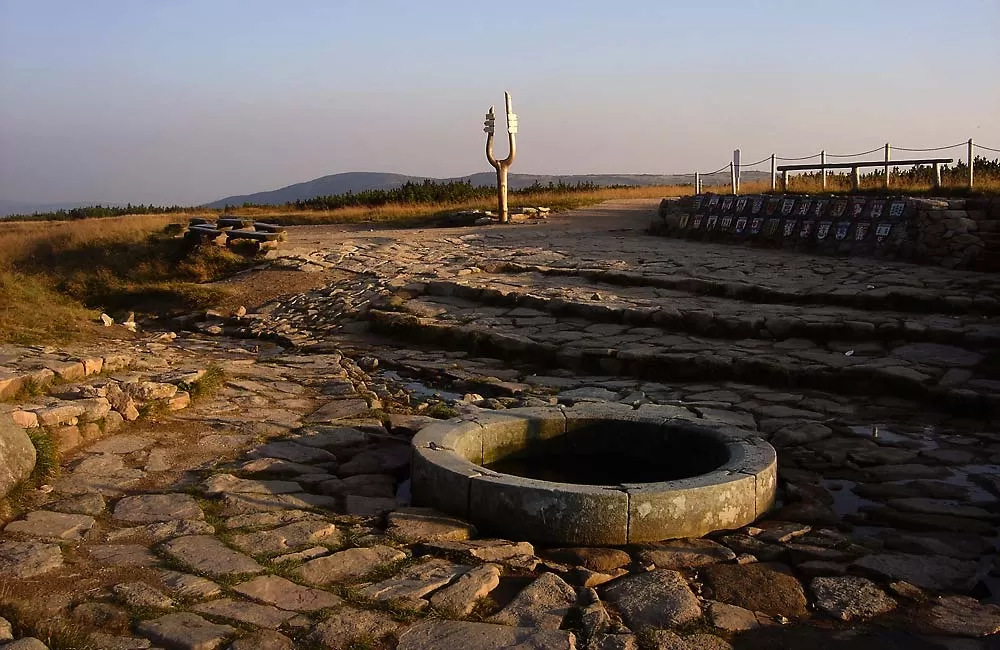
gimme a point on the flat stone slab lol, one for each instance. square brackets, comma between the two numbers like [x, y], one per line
[934, 572]
[266, 616]
[128, 555]
[269, 519]
[227, 483]
[139, 594]
[185, 631]
[461, 597]
[189, 586]
[438, 634]
[285, 594]
[163, 530]
[757, 587]
[208, 555]
[962, 616]
[52, 525]
[657, 599]
[349, 625]
[148, 508]
[347, 565]
[685, 553]
[29, 559]
[850, 597]
[123, 444]
[542, 604]
[593, 558]
[338, 409]
[413, 525]
[288, 450]
[293, 537]
[263, 640]
[415, 581]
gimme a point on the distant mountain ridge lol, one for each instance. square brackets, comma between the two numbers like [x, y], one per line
[361, 181]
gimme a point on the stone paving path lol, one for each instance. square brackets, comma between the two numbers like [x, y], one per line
[275, 513]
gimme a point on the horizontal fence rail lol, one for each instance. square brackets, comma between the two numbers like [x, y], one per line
[735, 167]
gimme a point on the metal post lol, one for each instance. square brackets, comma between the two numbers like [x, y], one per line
[855, 179]
[736, 175]
[887, 166]
[971, 158]
[501, 165]
[937, 175]
[822, 167]
[784, 180]
[732, 176]
[697, 183]
[774, 173]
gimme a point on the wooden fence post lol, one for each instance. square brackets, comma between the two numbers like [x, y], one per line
[971, 158]
[822, 168]
[937, 175]
[887, 166]
[774, 173]
[784, 180]
[855, 179]
[697, 183]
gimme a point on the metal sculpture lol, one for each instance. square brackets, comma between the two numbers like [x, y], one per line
[501, 165]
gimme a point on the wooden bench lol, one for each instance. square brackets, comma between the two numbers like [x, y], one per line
[854, 166]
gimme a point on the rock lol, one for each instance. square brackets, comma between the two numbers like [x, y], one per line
[17, 454]
[244, 612]
[359, 506]
[484, 550]
[781, 531]
[614, 642]
[665, 640]
[27, 643]
[730, 617]
[263, 640]
[684, 553]
[100, 615]
[338, 409]
[290, 451]
[935, 354]
[28, 559]
[850, 597]
[269, 519]
[657, 599]
[64, 413]
[438, 634]
[208, 555]
[383, 460]
[414, 582]
[122, 555]
[139, 594]
[111, 642]
[706, 642]
[348, 627]
[758, 587]
[6, 631]
[543, 603]
[293, 537]
[52, 525]
[163, 530]
[347, 565]
[593, 558]
[146, 508]
[227, 483]
[801, 434]
[84, 504]
[185, 585]
[185, 631]
[460, 598]
[933, 572]
[285, 594]
[962, 616]
[413, 525]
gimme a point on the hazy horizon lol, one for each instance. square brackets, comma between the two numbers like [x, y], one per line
[187, 102]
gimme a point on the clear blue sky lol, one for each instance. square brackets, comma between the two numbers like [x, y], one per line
[191, 100]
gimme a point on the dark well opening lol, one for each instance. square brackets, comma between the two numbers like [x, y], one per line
[612, 453]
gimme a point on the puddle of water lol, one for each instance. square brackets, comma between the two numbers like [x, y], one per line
[418, 389]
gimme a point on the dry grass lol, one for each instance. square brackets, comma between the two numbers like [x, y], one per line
[841, 183]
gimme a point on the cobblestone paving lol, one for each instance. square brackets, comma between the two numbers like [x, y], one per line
[275, 513]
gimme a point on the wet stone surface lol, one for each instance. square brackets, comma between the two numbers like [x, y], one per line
[275, 512]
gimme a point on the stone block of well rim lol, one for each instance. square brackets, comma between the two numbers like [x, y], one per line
[464, 437]
[515, 430]
[586, 515]
[691, 507]
[440, 479]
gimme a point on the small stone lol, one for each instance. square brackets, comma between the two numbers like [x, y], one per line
[657, 599]
[437, 635]
[208, 555]
[781, 531]
[139, 594]
[6, 631]
[413, 525]
[100, 615]
[850, 597]
[147, 508]
[347, 565]
[263, 640]
[485, 550]
[244, 612]
[160, 531]
[52, 525]
[290, 451]
[122, 555]
[685, 553]
[302, 556]
[277, 591]
[269, 519]
[85, 504]
[111, 642]
[963, 616]
[348, 626]
[731, 617]
[933, 572]
[26, 643]
[185, 631]
[227, 483]
[292, 537]
[460, 598]
[758, 587]
[543, 604]
[185, 585]
[593, 558]
[415, 582]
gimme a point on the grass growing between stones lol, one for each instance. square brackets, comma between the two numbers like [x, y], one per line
[209, 383]
[55, 633]
[46, 456]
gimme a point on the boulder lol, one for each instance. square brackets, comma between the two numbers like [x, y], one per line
[17, 454]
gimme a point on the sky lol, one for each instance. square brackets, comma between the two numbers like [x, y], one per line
[188, 101]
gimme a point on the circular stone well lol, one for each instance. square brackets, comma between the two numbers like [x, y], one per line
[593, 475]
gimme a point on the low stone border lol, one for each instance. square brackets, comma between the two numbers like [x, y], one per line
[448, 474]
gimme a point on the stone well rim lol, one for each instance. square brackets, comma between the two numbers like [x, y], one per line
[448, 474]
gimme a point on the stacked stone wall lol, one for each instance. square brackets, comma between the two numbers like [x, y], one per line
[954, 233]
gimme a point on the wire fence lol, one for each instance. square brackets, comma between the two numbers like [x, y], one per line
[735, 167]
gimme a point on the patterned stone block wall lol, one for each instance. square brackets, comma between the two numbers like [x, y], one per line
[956, 233]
